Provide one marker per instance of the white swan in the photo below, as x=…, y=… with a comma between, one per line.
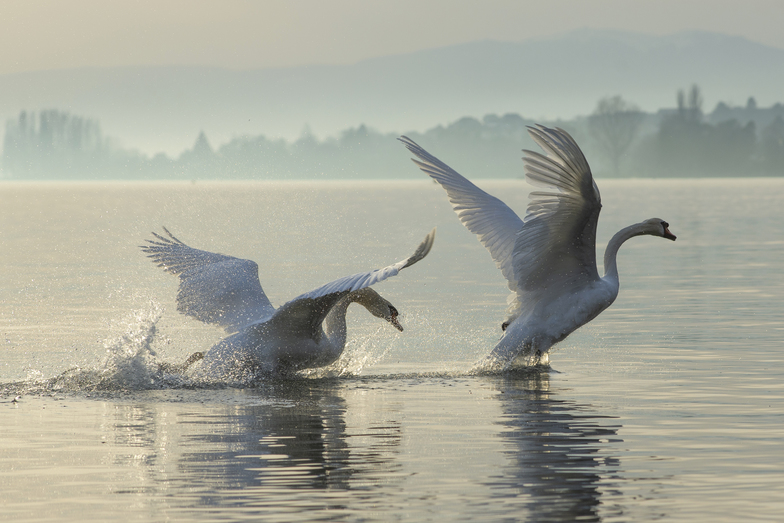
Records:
x=548, y=258
x=308, y=331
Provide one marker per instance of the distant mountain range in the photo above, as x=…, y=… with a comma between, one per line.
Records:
x=164, y=108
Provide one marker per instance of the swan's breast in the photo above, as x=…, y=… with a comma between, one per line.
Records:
x=571, y=311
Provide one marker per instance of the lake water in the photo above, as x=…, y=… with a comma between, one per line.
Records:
x=669, y=406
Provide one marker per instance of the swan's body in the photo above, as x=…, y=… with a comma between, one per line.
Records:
x=308, y=331
x=548, y=258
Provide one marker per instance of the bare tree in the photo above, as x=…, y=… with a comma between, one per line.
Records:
x=615, y=123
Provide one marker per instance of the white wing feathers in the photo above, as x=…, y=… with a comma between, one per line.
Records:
x=558, y=240
x=305, y=313
x=214, y=288
x=495, y=224
x=366, y=279
x=564, y=167
x=556, y=243
x=226, y=291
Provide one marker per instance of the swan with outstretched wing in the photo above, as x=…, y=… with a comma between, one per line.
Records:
x=308, y=331
x=549, y=257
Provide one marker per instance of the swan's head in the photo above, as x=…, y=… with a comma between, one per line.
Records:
x=658, y=227
x=377, y=306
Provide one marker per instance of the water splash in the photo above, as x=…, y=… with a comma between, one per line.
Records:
x=130, y=363
x=524, y=361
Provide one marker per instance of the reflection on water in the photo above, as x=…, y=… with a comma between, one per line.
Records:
x=405, y=448
x=298, y=446
x=558, y=451
x=287, y=448
x=279, y=448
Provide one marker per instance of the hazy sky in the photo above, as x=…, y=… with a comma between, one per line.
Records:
x=39, y=35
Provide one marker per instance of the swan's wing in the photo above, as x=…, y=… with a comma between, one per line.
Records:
x=495, y=224
x=557, y=243
x=305, y=313
x=366, y=279
x=214, y=288
x=302, y=316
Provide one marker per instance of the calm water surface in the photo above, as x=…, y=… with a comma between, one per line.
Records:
x=669, y=406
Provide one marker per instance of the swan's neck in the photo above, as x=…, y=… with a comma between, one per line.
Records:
x=611, y=253
x=335, y=322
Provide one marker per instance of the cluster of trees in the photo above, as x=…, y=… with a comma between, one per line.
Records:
x=51, y=142
x=618, y=138
x=689, y=144
x=56, y=145
x=685, y=142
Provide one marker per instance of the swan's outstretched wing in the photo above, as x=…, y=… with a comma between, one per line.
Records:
x=489, y=218
x=557, y=244
x=366, y=279
x=308, y=310
x=214, y=288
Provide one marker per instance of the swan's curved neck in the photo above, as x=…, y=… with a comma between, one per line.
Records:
x=335, y=322
x=610, y=254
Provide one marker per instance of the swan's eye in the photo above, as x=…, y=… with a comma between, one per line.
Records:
x=504, y=325
x=665, y=225
x=393, y=312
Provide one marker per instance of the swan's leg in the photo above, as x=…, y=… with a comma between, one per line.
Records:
x=193, y=358
x=540, y=352
x=521, y=357
x=534, y=352
x=518, y=349
x=173, y=368
x=544, y=358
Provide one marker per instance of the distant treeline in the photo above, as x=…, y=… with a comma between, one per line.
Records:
x=618, y=139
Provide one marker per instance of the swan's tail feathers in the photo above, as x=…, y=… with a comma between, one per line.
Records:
x=422, y=250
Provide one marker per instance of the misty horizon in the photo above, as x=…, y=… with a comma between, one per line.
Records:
x=618, y=139
x=163, y=109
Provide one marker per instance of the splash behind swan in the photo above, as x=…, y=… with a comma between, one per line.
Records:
x=308, y=331
x=548, y=258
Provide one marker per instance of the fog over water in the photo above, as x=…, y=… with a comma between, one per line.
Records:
x=165, y=108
